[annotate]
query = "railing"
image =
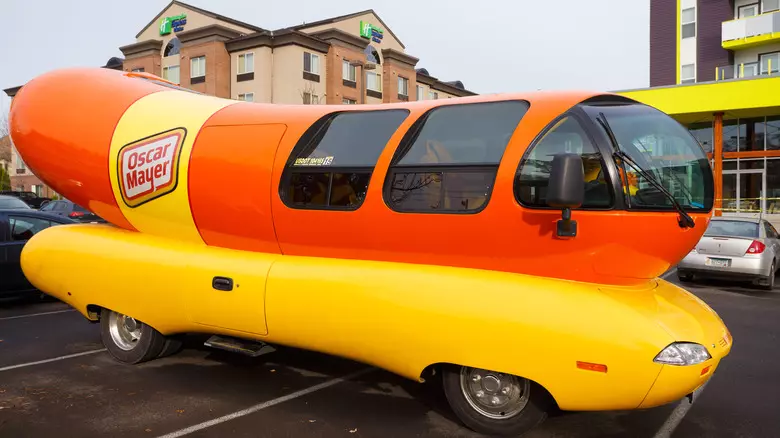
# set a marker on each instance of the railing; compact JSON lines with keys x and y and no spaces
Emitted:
{"x":745,"y":70}
{"x":750,"y":26}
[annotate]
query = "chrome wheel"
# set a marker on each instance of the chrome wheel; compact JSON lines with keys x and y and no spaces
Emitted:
{"x":494,"y":395}
{"x":125,"y":331}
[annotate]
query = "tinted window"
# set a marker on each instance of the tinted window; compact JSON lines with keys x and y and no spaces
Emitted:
{"x":448,"y":162}
{"x":332,"y":164}
{"x":48,"y":206}
{"x":79,"y":208}
{"x":61,"y":206}
{"x":23,"y":228}
{"x":465,"y":134}
{"x":11,"y":202}
{"x":533,"y":176}
{"x":732,"y":228}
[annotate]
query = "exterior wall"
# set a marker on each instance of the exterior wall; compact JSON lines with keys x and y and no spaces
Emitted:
{"x":194,"y":21}
{"x":218,"y":69}
{"x":288,"y":83}
{"x":335,"y":85}
{"x":710,"y":54}
{"x":352,"y":27}
{"x":150,"y":64}
{"x":751,"y":54}
{"x":262,"y":84}
{"x":663,"y":45}
{"x":391,"y":71}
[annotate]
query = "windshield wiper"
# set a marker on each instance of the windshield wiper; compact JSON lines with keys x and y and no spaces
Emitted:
{"x":686,"y":221}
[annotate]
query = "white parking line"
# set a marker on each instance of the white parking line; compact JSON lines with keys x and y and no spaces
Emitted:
{"x":6,"y":318}
{"x":678,"y":414}
{"x":54,"y":359}
{"x":264,"y":405}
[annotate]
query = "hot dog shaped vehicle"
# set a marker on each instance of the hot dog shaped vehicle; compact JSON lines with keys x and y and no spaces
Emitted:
{"x":510,"y":244}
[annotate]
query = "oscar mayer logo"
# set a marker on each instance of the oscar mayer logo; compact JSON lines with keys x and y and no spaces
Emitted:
{"x":149,"y":168}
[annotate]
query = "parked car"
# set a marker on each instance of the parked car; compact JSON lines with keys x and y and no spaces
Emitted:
{"x":29,"y":198}
{"x":17,"y":226}
{"x":13,"y":203}
{"x":71,"y":210}
{"x":735,"y":248}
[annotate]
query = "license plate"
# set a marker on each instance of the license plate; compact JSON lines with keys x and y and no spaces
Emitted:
{"x":721,"y":263}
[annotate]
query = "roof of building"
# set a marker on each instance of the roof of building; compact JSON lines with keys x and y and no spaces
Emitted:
{"x":347,"y":17}
{"x":5,"y":148}
{"x":201,"y":11}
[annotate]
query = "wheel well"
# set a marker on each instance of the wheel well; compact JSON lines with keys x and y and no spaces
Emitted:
{"x":436,"y":369}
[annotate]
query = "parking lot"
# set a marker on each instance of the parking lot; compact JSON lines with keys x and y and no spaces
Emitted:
{"x":56,"y":380}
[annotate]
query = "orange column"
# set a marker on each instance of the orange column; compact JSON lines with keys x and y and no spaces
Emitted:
{"x":717,"y":168}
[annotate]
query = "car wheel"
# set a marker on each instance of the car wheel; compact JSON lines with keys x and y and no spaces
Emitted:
{"x":129,"y":340}
{"x":495,"y":403}
{"x":768,"y":283}
{"x":684,"y":276}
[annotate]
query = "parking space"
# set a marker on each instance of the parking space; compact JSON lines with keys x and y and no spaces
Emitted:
{"x":202,"y":392}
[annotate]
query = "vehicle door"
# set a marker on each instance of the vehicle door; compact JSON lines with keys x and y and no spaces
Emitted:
{"x":5,"y":268}
{"x":20,"y":228}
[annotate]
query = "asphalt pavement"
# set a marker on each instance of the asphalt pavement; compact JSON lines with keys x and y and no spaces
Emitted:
{"x":57,"y":380}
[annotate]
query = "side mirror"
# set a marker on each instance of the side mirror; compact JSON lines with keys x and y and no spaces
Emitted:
{"x":566,"y":190}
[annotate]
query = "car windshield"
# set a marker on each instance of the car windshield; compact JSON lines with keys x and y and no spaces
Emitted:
{"x":663,"y":149}
{"x":11,"y":202}
{"x":732,"y":228}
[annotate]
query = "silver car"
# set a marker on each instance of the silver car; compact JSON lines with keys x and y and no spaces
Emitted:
{"x":734,"y":248}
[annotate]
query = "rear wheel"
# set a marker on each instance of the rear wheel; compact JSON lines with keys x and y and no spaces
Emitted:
{"x":685,"y":276}
{"x":495,"y":403}
{"x":129,"y":340}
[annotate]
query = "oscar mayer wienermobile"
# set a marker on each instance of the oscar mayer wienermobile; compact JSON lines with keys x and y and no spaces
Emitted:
{"x":507,"y":244}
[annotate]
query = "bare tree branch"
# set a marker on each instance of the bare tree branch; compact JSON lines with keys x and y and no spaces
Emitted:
{"x":4,"y":128}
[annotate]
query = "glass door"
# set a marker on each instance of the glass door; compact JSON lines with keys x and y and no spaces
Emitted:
{"x":743,"y":192}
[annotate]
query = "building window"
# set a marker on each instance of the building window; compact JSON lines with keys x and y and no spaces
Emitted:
{"x":533,"y":175}
{"x":688,"y":74}
{"x":433,"y":95}
{"x":769,"y":6}
{"x":173,"y":47}
{"x":374,"y":81}
{"x":448,"y":160}
{"x":246,"y":63}
{"x":138,"y":70}
{"x":688,"y":21}
{"x":403,"y":86}
{"x":247,"y":97}
{"x":198,"y":68}
{"x":171,"y":73}
{"x":310,"y":98}
{"x":331,"y":166}
{"x":769,"y":62}
{"x":747,"y":11}
{"x":311,"y":63}
{"x":348,"y":71}
{"x":420,"y":92}
{"x":346,"y":101}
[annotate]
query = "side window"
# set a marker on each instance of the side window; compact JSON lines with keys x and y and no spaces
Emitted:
{"x":61,"y":206}
{"x":449,"y":159}
{"x":49,"y":206}
{"x":533,"y":174}
{"x":770,"y":231}
{"x":332,"y":164}
{"x":23,"y":228}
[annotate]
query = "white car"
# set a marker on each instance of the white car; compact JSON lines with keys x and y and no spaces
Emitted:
{"x":736,"y":249}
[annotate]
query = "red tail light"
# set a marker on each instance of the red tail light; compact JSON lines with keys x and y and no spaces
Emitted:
{"x":76,"y":214}
{"x":756,"y":248}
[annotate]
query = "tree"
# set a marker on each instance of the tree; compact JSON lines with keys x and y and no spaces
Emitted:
{"x":308,"y":95}
{"x":5,"y":180}
{"x":4,"y":129}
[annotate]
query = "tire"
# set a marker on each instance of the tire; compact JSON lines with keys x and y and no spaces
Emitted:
{"x":171,"y":346}
{"x":768,"y":282}
{"x":527,"y":402}
{"x":684,"y":277}
{"x":131,"y":345}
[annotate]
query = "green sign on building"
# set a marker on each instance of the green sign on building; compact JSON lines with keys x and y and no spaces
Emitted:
{"x":175,"y":23}
{"x":369,"y":31}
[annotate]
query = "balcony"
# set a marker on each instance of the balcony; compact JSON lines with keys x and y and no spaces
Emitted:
{"x":769,"y":66}
{"x":751,"y":31}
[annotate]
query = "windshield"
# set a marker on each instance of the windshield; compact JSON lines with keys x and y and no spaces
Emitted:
{"x":732,"y":228}
{"x":663,"y":149}
{"x":10,"y":202}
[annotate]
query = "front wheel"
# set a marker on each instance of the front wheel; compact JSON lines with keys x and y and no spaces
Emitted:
{"x":495,"y":403}
{"x":129,"y":340}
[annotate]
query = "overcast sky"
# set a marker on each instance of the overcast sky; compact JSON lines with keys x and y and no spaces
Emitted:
{"x":490,"y":45}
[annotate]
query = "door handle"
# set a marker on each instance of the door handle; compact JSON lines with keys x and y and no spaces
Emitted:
{"x":222,"y":283}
